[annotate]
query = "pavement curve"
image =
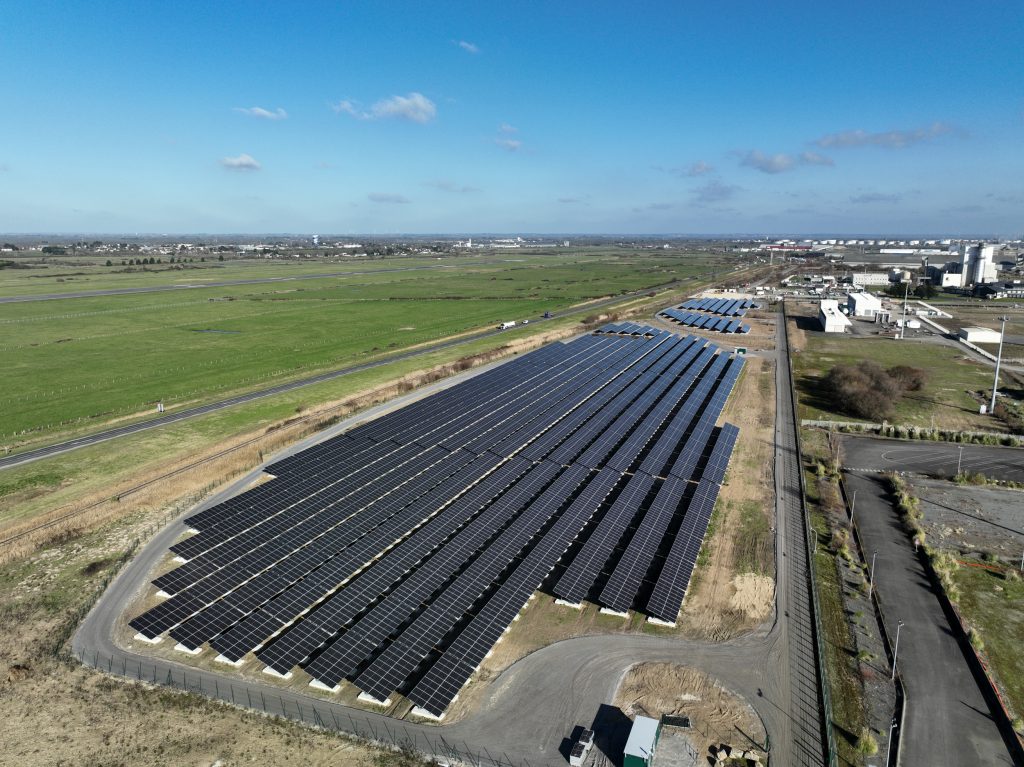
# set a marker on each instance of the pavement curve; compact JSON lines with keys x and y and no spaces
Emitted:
{"x":533,"y":705}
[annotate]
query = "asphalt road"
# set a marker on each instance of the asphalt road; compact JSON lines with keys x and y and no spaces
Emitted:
{"x":937,"y":459}
{"x":534,"y":705}
{"x":17,"y":459}
{"x":947,"y":718}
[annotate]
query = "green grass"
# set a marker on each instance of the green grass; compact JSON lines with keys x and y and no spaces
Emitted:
{"x":75,"y":364}
{"x":945,"y":399}
{"x":995,"y":606}
{"x":753,"y":542}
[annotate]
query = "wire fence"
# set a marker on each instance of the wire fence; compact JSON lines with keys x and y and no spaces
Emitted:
{"x":900,"y":710}
{"x":810,"y":539}
{"x":378,"y":731}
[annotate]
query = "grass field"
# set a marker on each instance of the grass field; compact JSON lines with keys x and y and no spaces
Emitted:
{"x":945,"y":401}
{"x":995,"y":606}
{"x":74,"y":365}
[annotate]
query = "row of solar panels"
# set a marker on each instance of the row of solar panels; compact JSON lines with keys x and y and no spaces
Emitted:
{"x":705,"y":321}
{"x":729,"y":307}
{"x":373,"y":548}
{"x":625,"y":329}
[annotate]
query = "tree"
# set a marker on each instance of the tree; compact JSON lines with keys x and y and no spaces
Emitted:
{"x":925,"y":290}
{"x":108,"y":262}
{"x":220,"y":257}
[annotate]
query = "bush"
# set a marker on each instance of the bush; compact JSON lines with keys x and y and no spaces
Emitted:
{"x":864,"y":390}
{"x":975,"y":639}
{"x":866,"y":743}
{"x":908,"y":378}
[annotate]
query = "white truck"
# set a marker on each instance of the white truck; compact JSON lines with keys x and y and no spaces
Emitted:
{"x":507,"y":325}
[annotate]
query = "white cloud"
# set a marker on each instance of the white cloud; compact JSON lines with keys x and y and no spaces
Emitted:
{"x":468,"y":47}
{"x":872,"y":197}
{"x":263,"y":114}
{"x":714,"y":191}
{"x":699,"y":168}
{"x":451,"y":186}
{"x":509,"y":144}
{"x":414,"y":107}
{"x":813,"y":158}
{"x":654,"y":206}
{"x":781,"y":162}
{"x":893,"y":139}
{"x":506,"y":128}
{"x":385,"y":197}
{"x":571,"y":200}
{"x":242,"y":162}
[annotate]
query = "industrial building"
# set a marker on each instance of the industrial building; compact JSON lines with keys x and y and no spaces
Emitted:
{"x":860,"y":279}
{"x":975,"y":265}
{"x":1001,"y":290}
{"x":979,"y":335}
{"x":832,"y":320}
{"x":643,"y":739}
{"x":863,"y":305}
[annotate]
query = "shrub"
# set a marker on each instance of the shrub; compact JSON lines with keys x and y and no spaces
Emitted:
{"x":908,"y":378}
{"x":866,"y":743}
{"x":864,"y":390}
{"x":975,"y":639}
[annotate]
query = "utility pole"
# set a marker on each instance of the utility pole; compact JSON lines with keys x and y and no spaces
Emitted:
{"x":959,"y":459}
{"x":903,"y":325}
{"x":999,"y":357}
{"x":896,"y":649}
{"x":888,"y":754}
{"x":871,"y":584}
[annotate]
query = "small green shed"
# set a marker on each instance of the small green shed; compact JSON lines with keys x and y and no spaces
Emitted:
{"x":643,"y":739}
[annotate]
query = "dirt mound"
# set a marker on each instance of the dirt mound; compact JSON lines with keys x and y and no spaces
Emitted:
{"x":754,"y":595}
{"x":716,"y":714}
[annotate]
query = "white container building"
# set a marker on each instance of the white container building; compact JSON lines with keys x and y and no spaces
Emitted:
{"x":978,"y":335}
{"x":832,"y":320}
{"x":863,"y":304}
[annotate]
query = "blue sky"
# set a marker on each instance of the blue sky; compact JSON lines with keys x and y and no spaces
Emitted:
{"x":589,"y":117}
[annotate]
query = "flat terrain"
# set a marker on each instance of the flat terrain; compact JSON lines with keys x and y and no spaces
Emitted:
{"x":994,"y":605}
{"x":129,"y":352}
{"x":932,"y":458}
{"x":972,"y":520}
{"x":944,"y":402}
{"x":90,"y":719}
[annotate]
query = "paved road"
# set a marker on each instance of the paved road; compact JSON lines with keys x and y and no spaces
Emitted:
{"x":534,"y":704}
{"x":933,"y":458}
{"x":222,"y":284}
{"x":947,"y":719}
{"x":17,"y":459}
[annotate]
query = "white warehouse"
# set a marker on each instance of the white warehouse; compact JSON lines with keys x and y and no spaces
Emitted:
{"x":832,"y":320}
{"x":863,"y":304}
{"x":978,"y":335}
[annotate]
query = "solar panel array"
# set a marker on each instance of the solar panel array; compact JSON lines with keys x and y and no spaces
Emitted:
{"x":396,"y":555}
{"x":729,"y":307}
{"x":717,"y":314}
